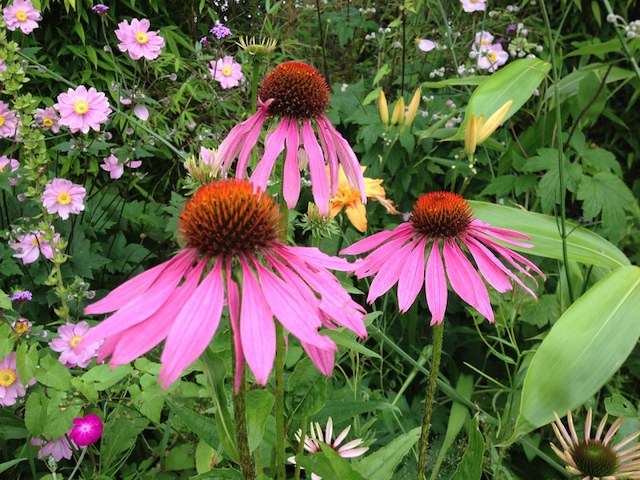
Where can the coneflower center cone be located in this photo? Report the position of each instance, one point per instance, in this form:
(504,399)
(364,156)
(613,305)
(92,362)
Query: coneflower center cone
(228,218)
(296,90)
(441,214)
(595,459)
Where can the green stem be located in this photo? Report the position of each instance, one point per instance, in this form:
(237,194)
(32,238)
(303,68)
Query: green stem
(438,335)
(240,420)
(254,83)
(303,435)
(82,454)
(280,433)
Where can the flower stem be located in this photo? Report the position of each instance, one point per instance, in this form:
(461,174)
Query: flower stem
(240,418)
(438,335)
(280,433)
(82,454)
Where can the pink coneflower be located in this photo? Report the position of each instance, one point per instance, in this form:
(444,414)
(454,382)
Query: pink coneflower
(22,15)
(11,388)
(86,430)
(491,57)
(82,109)
(227,72)
(28,247)
(58,449)
(312,443)
(473,5)
(138,41)
(8,121)
(441,220)
(593,458)
(73,350)
(296,96)
(47,118)
(63,197)
(233,256)
(10,165)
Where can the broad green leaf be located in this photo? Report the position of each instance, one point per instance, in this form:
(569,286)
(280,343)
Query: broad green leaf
(381,464)
(595,47)
(343,339)
(60,414)
(220,474)
(35,413)
(180,457)
(470,467)
(205,457)
(516,82)
(7,340)
(585,347)
(199,424)
(53,374)
(455,81)
(105,376)
(259,404)
(328,464)
(583,245)
(11,463)
(11,426)
(568,86)
(618,406)
(120,434)
(26,360)
(5,303)
(307,389)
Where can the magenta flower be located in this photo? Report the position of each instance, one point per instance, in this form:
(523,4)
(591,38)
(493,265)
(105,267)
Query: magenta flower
(8,121)
(22,15)
(58,449)
(86,430)
(442,219)
(426,45)
(11,388)
(73,350)
(28,247)
(296,96)
(138,41)
(47,118)
(11,165)
(63,197)
(492,57)
(234,257)
(82,109)
(227,72)
(473,5)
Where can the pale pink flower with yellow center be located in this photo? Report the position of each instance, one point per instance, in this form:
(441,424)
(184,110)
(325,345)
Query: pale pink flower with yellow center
(28,247)
(410,255)
(86,430)
(48,119)
(9,165)
(21,14)
(11,387)
(296,96)
(73,350)
(492,57)
(481,40)
(227,72)
(138,41)
(58,449)
(82,109)
(63,197)
(234,257)
(473,5)
(8,121)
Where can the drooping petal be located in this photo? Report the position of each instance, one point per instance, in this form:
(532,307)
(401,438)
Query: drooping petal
(321,358)
(332,157)
(389,272)
(274,147)
(291,175)
(489,270)
(412,276)
(319,181)
(357,215)
(375,240)
(376,259)
(250,139)
(435,283)
(233,303)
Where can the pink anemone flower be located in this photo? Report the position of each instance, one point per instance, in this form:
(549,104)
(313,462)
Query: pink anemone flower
(11,386)
(63,197)
(296,96)
(473,5)
(491,57)
(233,257)
(8,121)
(442,220)
(82,109)
(227,72)
(138,41)
(73,350)
(28,247)
(23,15)
(58,449)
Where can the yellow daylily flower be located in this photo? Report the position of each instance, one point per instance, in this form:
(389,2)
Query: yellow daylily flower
(478,131)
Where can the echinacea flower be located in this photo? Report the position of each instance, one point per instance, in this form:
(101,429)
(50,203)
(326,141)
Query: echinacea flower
(11,387)
(28,247)
(82,109)
(442,220)
(426,45)
(312,443)
(138,41)
(10,165)
(351,200)
(226,71)
(86,430)
(473,5)
(233,256)
(47,118)
(491,57)
(58,449)
(63,197)
(74,351)
(295,95)
(594,458)
(8,121)
(23,15)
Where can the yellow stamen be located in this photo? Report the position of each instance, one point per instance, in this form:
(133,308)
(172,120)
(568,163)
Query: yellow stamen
(7,377)
(226,71)
(75,340)
(22,327)
(64,198)
(1,120)
(81,107)
(484,41)
(142,38)
(21,15)
(47,122)
(493,57)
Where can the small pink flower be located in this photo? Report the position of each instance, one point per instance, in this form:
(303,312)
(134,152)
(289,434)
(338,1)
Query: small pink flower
(8,121)
(29,247)
(426,45)
(482,40)
(227,72)
(138,41)
(63,197)
(82,109)
(473,5)
(492,57)
(12,164)
(86,430)
(11,388)
(112,165)
(73,351)
(3,67)
(58,449)
(48,119)
(139,111)
(21,15)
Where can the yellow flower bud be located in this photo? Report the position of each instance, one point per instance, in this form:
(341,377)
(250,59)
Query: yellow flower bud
(383,107)
(398,113)
(413,108)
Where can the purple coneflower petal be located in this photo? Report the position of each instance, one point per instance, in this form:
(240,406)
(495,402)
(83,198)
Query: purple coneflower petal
(319,181)
(322,358)
(291,177)
(412,276)
(274,148)
(389,272)
(233,302)
(435,285)
(488,268)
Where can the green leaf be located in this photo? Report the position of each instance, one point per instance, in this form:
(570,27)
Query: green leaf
(381,464)
(120,434)
(35,414)
(11,463)
(328,464)
(470,467)
(516,82)
(7,340)
(585,347)
(11,426)
(180,457)
(220,474)
(618,406)
(53,374)
(455,81)
(307,389)
(150,399)
(205,457)
(5,303)
(105,376)
(259,404)
(26,360)
(583,245)
(342,338)
(199,424)
(596,47)
(61,410)
(343,410)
